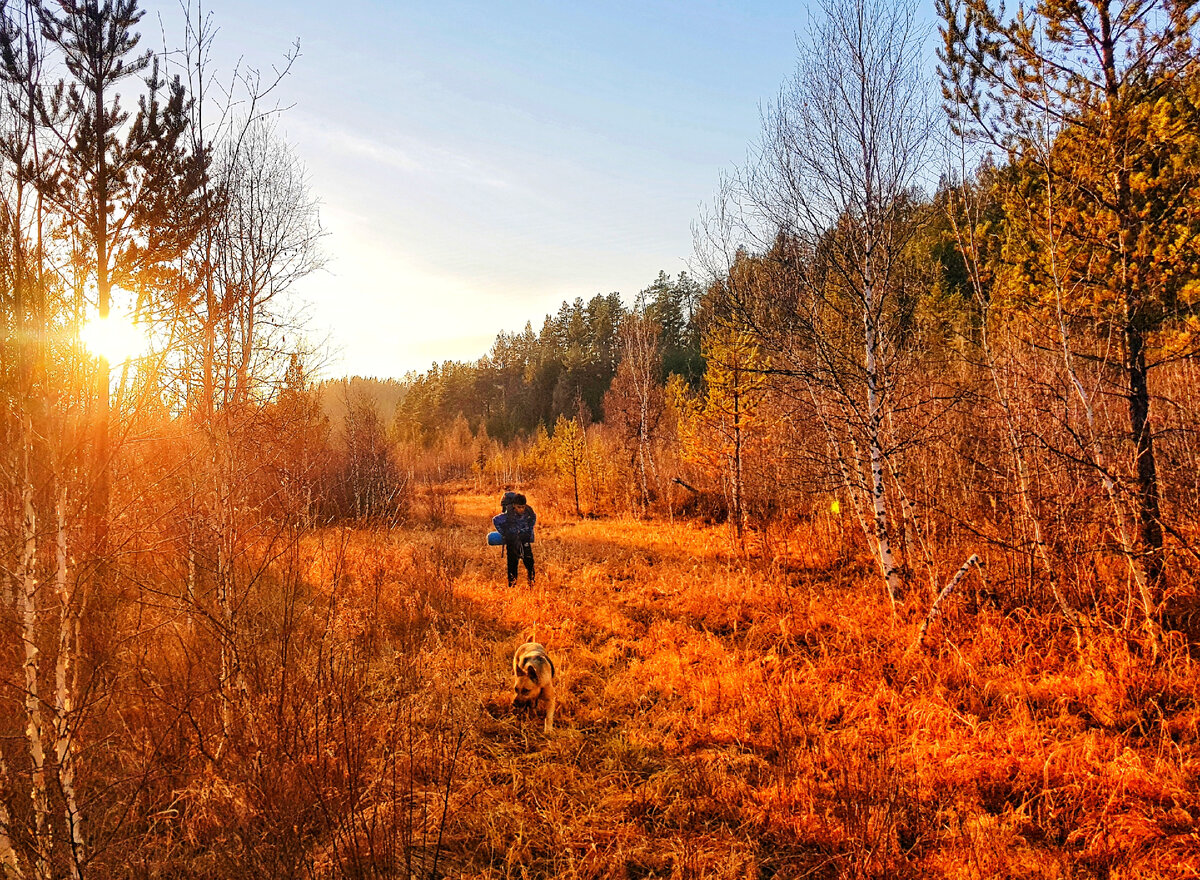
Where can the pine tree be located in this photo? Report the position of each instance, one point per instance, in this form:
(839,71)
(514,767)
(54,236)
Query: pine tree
(1096,104)
(129,187)
(570,453)
(720,430)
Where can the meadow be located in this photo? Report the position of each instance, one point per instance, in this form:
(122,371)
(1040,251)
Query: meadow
(731,716)
(249,624)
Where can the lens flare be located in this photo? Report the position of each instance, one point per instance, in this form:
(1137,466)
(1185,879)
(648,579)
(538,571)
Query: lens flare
(116,338)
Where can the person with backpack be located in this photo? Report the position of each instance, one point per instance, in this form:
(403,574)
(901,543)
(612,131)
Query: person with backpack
(515,525)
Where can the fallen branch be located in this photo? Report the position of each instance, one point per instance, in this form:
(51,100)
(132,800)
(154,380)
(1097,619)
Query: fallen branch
(936,608)
(691,489)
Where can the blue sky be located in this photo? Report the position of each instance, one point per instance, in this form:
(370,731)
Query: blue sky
(478,163)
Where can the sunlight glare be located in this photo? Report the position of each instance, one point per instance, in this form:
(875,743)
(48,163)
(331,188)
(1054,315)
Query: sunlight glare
(116,338)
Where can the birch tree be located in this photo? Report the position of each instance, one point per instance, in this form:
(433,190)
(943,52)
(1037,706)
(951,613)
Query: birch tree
(827,198)
(634,403)
(35,373)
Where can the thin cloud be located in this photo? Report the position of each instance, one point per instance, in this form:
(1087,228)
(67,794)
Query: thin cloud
(409,156)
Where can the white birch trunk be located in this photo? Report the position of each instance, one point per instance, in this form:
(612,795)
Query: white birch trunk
(910,516)
(34,727)
(887,563)
(643,422)
(191,572)
(591,473)
(739,511)
(226,671)
(64,707)
(639,350)
(643,393)
(936,608)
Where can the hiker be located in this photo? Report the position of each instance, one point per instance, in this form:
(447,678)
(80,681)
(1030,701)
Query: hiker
(515,526)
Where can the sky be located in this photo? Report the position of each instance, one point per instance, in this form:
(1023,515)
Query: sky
(478,163)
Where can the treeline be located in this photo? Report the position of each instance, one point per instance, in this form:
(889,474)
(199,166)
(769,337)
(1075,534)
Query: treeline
(530,379)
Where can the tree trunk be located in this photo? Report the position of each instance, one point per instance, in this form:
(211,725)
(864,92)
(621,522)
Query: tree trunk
(575,483)
(887,562)
(739,515)
(43,830)
(104,295)
(1149,527)
(64,704)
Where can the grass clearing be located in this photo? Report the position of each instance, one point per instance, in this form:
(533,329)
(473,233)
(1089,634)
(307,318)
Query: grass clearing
(723,718)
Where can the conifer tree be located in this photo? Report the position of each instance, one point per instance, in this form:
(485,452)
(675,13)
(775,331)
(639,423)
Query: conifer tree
(128,187)
(1096,104)
(570,453)
(720,428)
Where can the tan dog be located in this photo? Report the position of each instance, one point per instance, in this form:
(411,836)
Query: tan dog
(533,674)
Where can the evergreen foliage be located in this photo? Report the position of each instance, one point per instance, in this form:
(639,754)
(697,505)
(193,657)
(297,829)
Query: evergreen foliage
(530,379)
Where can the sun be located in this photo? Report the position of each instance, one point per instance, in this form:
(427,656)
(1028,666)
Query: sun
(116,338)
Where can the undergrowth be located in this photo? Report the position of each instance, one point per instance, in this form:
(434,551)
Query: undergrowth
(730,718)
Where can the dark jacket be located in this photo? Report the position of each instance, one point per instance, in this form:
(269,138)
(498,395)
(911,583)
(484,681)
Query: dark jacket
(516,526)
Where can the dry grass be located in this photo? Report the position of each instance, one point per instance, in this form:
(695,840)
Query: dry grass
(725,719)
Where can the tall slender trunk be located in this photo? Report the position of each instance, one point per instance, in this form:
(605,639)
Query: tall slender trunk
(10,867)
(64,704)
(739,512)
(225,682)
(1149,527)
(103,483)
(575,483)
(641,351)
(591,473)
(34,726)
(643,440)
(887,562)
(908,513)
(242,379)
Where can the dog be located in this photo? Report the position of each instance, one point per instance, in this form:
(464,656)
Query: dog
(533,680)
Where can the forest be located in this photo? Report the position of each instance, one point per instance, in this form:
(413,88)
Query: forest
(867,547)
